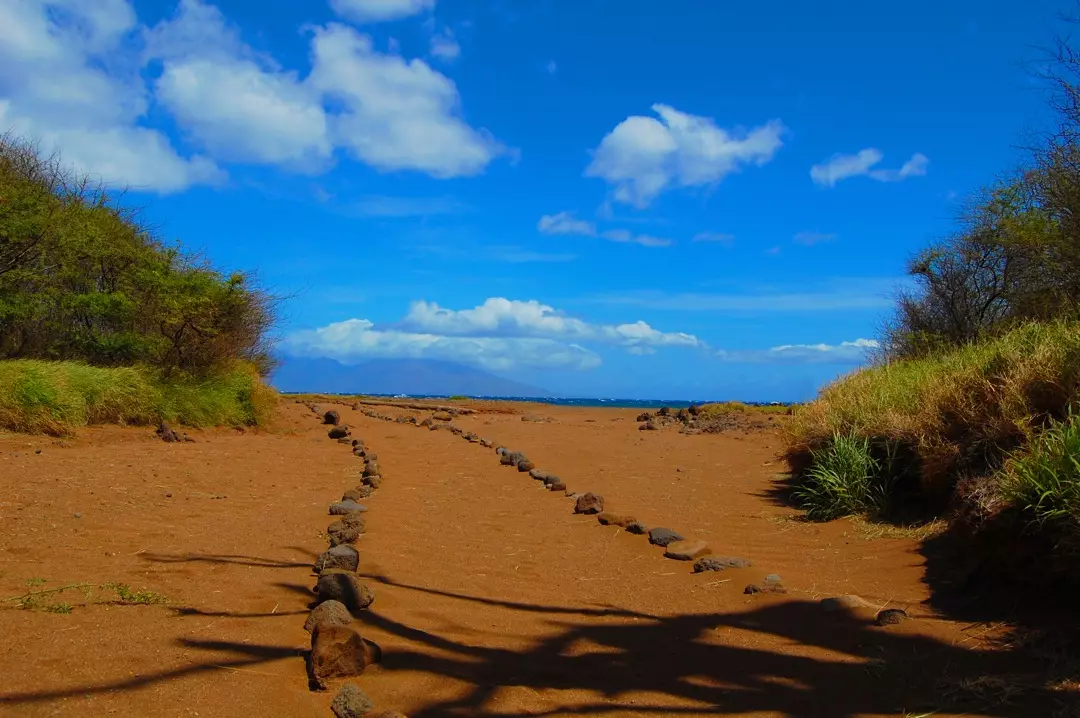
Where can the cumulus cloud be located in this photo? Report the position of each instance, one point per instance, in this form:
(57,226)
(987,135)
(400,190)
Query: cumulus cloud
(567,223)
(234,103)
(861,164)
(498,316)
(854,352)
(369,11)
(68,80)
(643,156)
(397,114)
(500,334)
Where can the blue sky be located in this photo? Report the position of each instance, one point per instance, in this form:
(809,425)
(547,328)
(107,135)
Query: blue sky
(678,199)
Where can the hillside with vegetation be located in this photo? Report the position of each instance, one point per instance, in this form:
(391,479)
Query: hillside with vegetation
(972,408)
(100,320)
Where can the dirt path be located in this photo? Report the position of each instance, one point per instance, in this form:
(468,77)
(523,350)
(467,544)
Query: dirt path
(492,597)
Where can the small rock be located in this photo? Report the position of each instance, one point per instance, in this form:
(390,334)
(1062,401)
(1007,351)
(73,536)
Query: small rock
(533,418)
(344,586)
(637,528)
(538,474)
(488,443)
(78,516)
(773,578)
(331,417)
(556,485)
(663,411)
(525,465)
(719,563)
(609,519)
(501,450)
(648,426)
(890,616)
(351,702)
(168,494)
(332,612)
(342,556)
(338,652)
(663,537)
(844,603)
(358,494)
(589,503)
(346,507)
(426,423)
(766,588)
(442,416)
(344,441)
(167,434)
(373,481)
(183,437)
(341,534)
(338,432)
(644,416)
(686,550)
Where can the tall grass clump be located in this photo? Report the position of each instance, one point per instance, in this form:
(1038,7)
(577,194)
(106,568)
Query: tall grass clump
(844,479)
(58,397)
(1043,481)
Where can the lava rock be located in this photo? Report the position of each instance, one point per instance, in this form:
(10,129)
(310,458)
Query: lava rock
(648,426)
(167,434)
(342,556)
(754,588)
(525,465)
(890,617)
(533,418)
(663,537)
(609,519)
(719,563)
(442,416)
(645,416)
(338,652)
(337,584)
(371,468)
(487,443)
(340,533)
(351,702)
(358,494)
(557,485)
(342,508)
(373,481)
(331,417)
(332,612)
(686,550)
(589,503)
(338,432)
(637,528)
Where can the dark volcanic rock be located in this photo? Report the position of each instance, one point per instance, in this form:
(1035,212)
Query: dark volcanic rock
(525,465)
(644,416)
(371,468)
(609,519)
(663,536)
(373,481)
(333,612)
(338,652)
(556,485)
(890,616)
(342,533)
(686,550)
(637,528)
(338,432)
(719,563)
(589,503)
(331,417)
(648,426)
(358,494)
(342,556)
(351,702)
(345,587)
(346,507)
(166,433)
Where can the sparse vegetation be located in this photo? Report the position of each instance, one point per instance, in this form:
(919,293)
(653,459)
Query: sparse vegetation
(37,597)
(738,406)
(143,329)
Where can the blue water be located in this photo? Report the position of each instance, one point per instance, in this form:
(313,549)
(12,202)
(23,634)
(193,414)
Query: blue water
(613,403)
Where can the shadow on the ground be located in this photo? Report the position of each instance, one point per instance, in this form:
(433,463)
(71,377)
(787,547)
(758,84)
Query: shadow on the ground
(256,561)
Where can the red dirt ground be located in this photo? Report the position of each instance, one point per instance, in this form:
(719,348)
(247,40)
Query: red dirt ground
(492,597)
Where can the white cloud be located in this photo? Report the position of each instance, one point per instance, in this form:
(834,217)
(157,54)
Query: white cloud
(367,11)
(356,339)
(552,67)
(498,316)
(840,167)
(398,114)
(811,238)
(67,80)
(233,103)
(567,223)
(720,237)
(643,157)
(855,352)
(444,45)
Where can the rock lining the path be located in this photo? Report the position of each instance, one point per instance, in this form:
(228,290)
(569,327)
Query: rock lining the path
(663,536)
(351,702)
(332,417)
(589,503)
(341,508)
(719,563)
(332,612)
(337,584)
(890,617)
(338,432)
(610,519)
(339,652)
(637,528)
(342,556)
(686,550)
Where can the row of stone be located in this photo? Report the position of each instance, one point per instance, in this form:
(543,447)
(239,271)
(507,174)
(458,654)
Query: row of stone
(338,650)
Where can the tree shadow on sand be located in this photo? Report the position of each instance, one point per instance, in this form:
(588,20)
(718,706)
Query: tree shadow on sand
(685,671)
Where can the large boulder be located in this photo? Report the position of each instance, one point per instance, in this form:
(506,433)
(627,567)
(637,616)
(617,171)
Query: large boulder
(662,536)
(589,503)
(332,612)
(337,584)
(338,652)
(331,417)
(342,556)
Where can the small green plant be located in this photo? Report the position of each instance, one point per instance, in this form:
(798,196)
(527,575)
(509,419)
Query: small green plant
(458,397)
(127,595)
(1044,480)
(845,479)
(62,608)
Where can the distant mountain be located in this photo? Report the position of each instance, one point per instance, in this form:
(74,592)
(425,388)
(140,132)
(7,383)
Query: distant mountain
(394,376)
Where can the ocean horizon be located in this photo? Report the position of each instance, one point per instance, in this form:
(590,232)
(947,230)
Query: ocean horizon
(558,401)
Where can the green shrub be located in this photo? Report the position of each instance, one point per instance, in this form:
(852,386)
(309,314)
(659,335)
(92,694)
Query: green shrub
(844,479)
(1044,480)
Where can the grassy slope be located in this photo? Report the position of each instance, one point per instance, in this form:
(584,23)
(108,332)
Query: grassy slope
(57,397)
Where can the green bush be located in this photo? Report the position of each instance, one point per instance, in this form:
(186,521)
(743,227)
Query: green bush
(1044,480)
(58,397)
(845,479)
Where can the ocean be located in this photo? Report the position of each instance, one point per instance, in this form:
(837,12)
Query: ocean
(564,401)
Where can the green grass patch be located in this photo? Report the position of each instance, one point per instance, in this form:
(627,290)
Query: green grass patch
(738,406)
(58,397)
(1044,480)
(844,480)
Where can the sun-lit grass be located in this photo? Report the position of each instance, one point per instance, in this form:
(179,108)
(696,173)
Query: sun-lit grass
(844,479)
(738,406)
(1044,480)
(58,397)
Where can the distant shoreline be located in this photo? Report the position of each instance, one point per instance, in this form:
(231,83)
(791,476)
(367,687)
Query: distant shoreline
(554,401)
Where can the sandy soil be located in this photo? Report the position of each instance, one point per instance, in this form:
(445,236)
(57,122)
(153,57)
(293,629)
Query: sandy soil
(492,597)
